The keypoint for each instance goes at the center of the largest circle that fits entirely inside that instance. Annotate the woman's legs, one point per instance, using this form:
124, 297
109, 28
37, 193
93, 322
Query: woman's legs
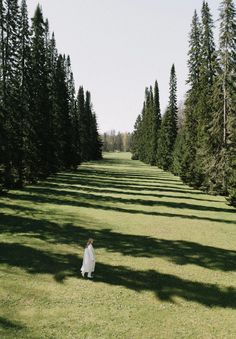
89, 274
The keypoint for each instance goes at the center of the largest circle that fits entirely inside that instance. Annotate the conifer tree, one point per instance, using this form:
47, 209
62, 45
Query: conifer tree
205, 94
148, 127
186, 167
168, 131
142, 132
2, 90
94, 144
83, 131
39, 116
40, 104
24, 122
96, 141
73, 114
223, 160
156, 125
135, 149
64, 138
10, 90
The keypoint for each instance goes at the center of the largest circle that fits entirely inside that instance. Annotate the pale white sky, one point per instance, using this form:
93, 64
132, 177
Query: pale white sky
118, 47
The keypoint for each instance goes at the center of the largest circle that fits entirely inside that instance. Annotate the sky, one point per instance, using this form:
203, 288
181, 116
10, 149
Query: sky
119, 47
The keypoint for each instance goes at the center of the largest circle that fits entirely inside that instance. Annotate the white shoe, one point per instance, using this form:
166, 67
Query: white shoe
82, 274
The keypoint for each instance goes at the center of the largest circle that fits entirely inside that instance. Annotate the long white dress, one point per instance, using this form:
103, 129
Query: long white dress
88, 265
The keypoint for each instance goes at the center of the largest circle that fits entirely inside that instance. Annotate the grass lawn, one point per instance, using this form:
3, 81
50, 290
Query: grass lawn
166, 256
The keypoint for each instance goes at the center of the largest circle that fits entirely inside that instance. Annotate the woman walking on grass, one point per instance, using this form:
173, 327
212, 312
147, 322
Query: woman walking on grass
88, 265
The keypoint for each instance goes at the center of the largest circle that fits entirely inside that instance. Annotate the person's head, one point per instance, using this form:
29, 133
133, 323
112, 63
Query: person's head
90, 241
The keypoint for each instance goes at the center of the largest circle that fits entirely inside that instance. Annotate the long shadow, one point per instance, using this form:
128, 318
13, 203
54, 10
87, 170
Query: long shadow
36, 261
54, 199
122, 184
87, 171
111, 199
52, 185
9, 325
179, 252
165, 286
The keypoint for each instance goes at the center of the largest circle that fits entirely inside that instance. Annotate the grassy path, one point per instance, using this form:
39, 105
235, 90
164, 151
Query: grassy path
166, 257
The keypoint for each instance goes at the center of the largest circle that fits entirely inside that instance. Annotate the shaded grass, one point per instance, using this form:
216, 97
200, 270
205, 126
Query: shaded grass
165, 256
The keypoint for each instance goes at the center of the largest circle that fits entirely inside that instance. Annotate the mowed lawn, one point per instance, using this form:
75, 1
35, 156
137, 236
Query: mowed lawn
166, 256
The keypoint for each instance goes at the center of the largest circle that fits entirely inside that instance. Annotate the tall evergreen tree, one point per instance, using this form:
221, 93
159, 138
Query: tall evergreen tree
168, 131
55, 123
23, 121
82, 120
205, 94
188, 134
136, 136
94, 143
148, 121
39, 119
156, 125
10, 73
40, 103
2, 81
64, 137
223, 159
73, 114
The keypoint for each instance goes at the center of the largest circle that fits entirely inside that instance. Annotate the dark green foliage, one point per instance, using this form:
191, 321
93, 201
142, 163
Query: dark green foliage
203, 152
168, 132
89, 139
156, 125
224, 116
147, 128
40, 104
39, 118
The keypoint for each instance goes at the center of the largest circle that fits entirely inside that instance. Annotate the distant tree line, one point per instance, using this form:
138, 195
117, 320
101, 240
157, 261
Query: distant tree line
44, 126
199, 144
116, 141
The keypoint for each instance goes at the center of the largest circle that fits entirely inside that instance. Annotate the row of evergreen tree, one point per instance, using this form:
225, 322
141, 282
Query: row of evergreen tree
202, 150
44, 126
116, 141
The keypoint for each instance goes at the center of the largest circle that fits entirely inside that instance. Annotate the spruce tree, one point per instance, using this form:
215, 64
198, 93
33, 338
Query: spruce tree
2, 82
136, 136
40, 104
96, 141
169, 129
223, 164
24, 121
156, 125
205, 94
189, 132
73, 114
10, 86
83, 126
64, 137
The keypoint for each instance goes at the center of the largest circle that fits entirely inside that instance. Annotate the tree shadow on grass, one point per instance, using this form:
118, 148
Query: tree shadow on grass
98, 202
52, 185
52, 192
125, 185
9, 325
125, 175
180, 252
34, 261
165, 286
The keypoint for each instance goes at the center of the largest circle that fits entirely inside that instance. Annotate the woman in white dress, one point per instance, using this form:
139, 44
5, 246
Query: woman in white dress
88, 265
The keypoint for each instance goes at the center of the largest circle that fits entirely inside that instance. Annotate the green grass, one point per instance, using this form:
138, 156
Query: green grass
166, 256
